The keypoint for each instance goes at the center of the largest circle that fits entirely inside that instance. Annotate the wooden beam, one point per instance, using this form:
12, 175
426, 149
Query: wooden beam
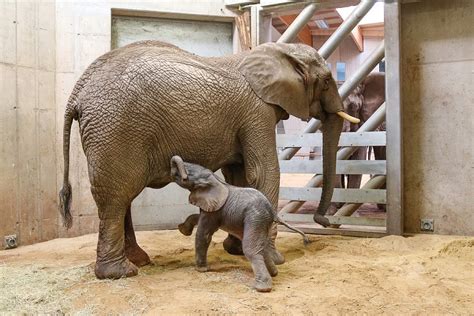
321, 32
373, 33
243, 27
372, 30
304, 35
358, 38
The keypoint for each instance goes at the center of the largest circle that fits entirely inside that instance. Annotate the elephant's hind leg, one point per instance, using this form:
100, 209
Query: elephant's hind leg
271, 267
187, 227
254, 244
111, 261
132, 250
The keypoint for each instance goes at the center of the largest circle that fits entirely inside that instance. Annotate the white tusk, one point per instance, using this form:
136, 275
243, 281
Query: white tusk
346, 116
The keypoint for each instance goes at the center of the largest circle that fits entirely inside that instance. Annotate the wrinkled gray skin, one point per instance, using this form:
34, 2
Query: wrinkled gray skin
245, 213
366, 98
139, 105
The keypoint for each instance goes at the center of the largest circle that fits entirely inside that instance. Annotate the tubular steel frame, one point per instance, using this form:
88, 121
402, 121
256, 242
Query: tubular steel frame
260, 33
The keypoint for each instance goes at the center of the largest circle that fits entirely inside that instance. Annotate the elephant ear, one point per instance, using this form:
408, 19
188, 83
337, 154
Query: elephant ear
374, 94
210, 196
278, 77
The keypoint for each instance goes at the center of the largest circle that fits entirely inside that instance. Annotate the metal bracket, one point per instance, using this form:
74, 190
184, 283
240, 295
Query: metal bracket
10, 242
427, 225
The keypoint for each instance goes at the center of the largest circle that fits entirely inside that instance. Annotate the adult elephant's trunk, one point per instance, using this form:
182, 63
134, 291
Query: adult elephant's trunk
332, 128
177, 162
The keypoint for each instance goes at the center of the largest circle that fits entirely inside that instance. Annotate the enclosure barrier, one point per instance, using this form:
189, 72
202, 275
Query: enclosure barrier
344, 153
260, 23
348, 209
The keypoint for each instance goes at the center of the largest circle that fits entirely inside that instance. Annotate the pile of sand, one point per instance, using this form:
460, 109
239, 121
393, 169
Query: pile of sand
333, 275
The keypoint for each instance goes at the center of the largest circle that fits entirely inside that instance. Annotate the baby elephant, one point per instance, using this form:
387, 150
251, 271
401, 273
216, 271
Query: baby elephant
242, 212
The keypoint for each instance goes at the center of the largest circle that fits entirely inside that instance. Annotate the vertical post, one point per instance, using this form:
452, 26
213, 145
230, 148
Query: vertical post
394, 119
260, 26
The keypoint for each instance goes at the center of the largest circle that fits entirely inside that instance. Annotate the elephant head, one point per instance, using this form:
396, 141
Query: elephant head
207, 191
295, 78
365, 99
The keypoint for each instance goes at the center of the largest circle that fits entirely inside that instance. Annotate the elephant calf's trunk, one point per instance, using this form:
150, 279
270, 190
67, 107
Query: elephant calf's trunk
178, 162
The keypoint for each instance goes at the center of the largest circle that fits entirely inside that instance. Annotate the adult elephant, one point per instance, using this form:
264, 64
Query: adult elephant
139, 105
366, 98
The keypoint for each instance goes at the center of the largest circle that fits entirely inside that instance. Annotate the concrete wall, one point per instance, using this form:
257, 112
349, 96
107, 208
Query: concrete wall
27, 121
45, 46
438, 96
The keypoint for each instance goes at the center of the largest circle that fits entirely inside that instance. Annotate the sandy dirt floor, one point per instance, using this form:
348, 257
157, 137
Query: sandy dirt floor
420, 275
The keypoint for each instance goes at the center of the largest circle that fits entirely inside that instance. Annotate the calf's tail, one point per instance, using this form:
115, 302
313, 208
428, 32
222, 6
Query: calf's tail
278, 220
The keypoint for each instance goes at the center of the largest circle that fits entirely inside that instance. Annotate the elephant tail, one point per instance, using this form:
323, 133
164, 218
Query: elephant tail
278, 220
65, 195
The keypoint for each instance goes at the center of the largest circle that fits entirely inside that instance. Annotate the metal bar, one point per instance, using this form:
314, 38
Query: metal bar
346, 139
342, 166
349, 208
345, 28
260, 26
394, 120
340, 195
369, 64
344, 153
336, 220
301, 20
361, 232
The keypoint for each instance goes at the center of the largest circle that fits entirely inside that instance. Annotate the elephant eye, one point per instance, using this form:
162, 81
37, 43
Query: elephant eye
326, 84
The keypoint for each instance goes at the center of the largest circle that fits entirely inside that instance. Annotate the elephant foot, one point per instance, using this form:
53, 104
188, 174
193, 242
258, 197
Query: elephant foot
185, 229
202, 268
115, 270
321, 220
273, 271
137, 256
233, 246
277, 257
263, 286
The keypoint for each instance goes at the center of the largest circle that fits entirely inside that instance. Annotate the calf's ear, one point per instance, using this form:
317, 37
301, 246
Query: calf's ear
209, 198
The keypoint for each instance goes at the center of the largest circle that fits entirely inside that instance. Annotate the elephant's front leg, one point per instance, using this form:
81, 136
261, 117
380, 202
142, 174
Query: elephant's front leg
354, 180
207, 226
262, 172
234, 174
132, 250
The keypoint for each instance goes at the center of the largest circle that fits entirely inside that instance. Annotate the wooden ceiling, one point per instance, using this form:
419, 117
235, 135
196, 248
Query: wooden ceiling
332, 19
